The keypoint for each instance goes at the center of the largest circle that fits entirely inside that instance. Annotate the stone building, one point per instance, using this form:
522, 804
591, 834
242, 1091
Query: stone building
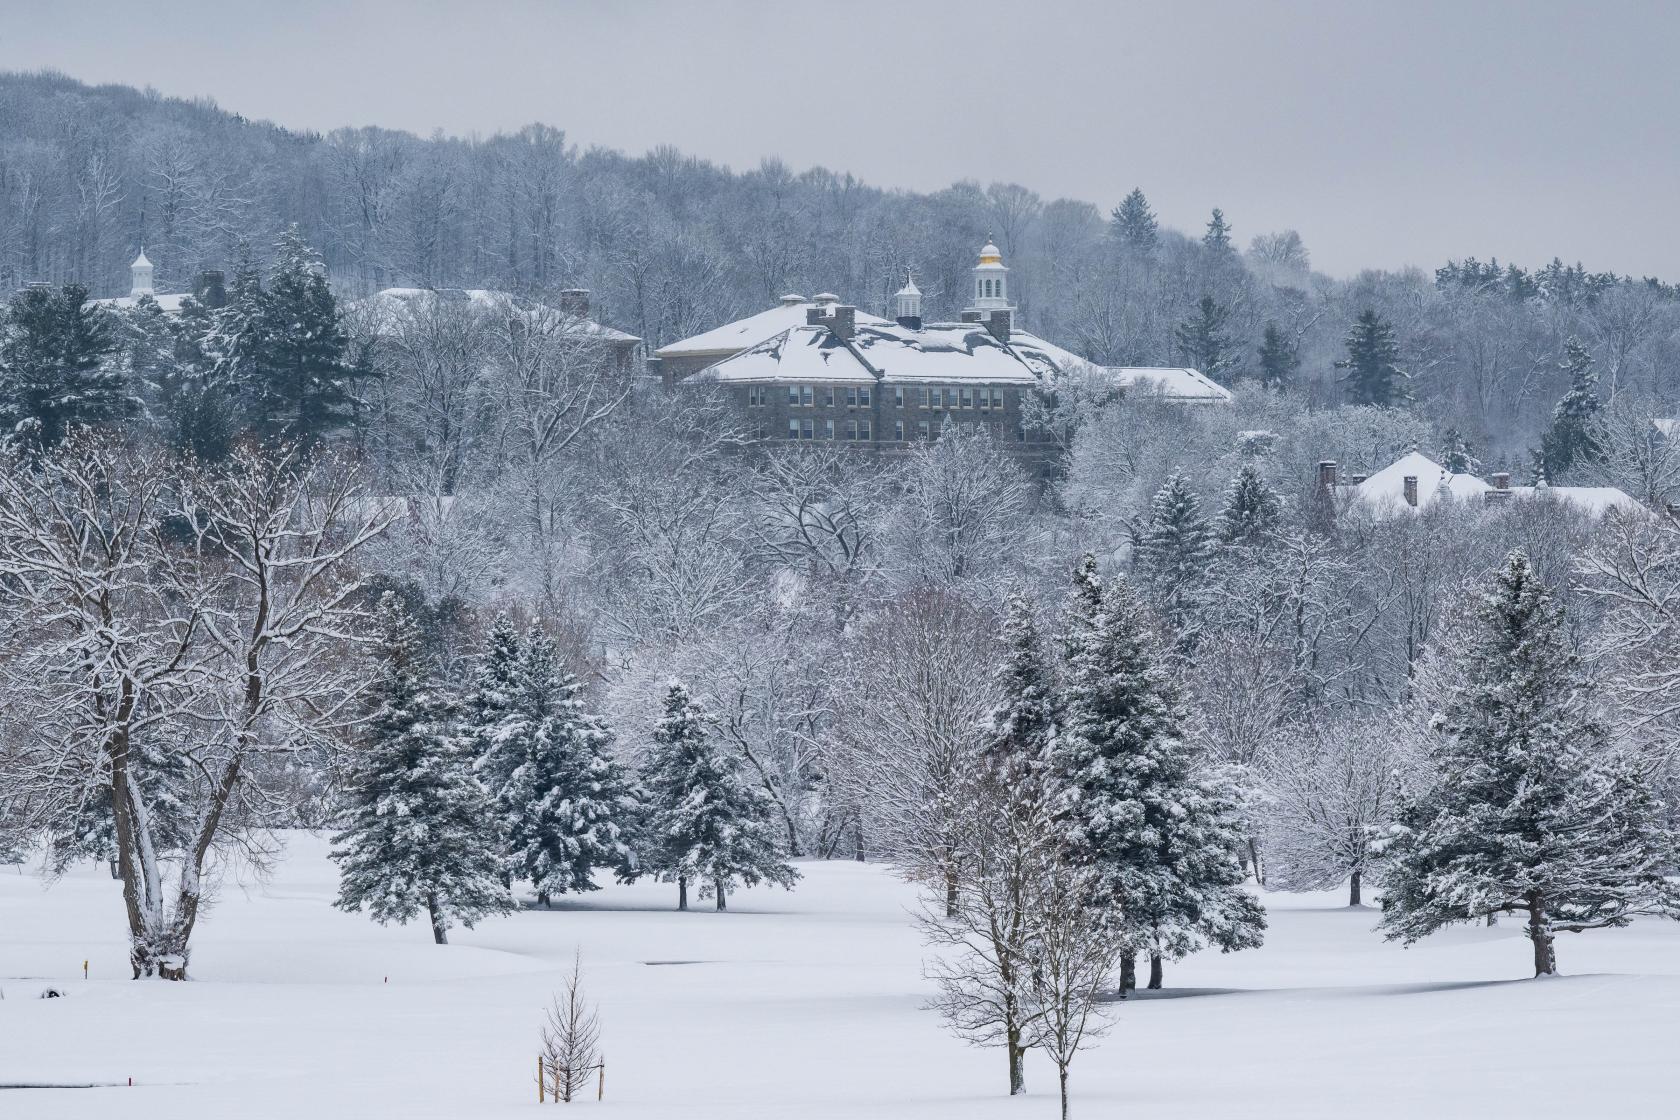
819, 369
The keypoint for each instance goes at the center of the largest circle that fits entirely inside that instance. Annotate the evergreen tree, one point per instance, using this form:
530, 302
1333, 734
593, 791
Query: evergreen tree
1372, 376
493, 704
1578, 434
421, 833
1217, 237
1170, 554
1457, 455
1278, 359
566, 806
304, 392
1160, 843
1025, 723
56, 370
195, 408
1133, 223
1528, 811
707, 823
1204, 344
1252, 509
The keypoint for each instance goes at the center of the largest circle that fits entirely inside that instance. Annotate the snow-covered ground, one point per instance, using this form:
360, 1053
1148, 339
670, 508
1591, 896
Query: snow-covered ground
802, 1004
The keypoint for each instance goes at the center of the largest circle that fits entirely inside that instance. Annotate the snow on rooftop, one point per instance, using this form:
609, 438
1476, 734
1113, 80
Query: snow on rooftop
734, 337
954, 352
1593, 500
394, 299
1385, 491
168, 302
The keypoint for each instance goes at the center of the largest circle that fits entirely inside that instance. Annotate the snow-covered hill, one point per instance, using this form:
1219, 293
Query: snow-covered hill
801, 1005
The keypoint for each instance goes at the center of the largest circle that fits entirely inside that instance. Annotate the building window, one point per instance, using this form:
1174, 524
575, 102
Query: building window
924, 396
983, 396
851, 398
898, 396
828, 429
863, 396
1021, 433
921, 429
793, 429
938, 398
807, 429
898, 430
967, 397
809, 396
851, 429
793, 395
828, 396
864, 430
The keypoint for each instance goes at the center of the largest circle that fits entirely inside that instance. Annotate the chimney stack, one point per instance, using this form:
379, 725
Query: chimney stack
575, 302
840, 319
1411, 490
1501, 488
1327, 473
1501, 480
998, 324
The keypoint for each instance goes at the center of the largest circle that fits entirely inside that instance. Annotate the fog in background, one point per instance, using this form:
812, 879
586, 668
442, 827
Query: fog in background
1388, 135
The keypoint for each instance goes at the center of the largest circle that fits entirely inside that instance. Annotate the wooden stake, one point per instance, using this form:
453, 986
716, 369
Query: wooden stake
84, 970
539, 1079
601, 1083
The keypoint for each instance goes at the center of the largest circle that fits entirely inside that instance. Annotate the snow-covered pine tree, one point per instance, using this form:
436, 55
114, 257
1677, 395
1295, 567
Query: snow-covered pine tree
708, 824
305, 393
567, 805
1217, 237
1457, 455
1279, 359
491, 706
421, 834
1252, 509
1160, 841
1133, 223
1170, 554
55, 367
1528, 812
1372, 377
1204, 345
1578, 434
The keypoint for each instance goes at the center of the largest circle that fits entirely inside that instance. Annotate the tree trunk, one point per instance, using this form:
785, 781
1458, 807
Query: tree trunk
682, 892
1353, 887
440, 927
542, 900
857, 834
950, 892
722, 896
1061, 1073
1017, 1062
1255, 862
116, 872
1128, 973
1545, 957
1154, 971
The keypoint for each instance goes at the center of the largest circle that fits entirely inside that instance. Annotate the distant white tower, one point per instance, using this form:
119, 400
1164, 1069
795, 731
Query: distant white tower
140, 276
907, 301
991, 281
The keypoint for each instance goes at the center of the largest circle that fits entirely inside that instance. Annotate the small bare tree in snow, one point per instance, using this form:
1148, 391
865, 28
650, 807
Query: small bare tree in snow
571, 1037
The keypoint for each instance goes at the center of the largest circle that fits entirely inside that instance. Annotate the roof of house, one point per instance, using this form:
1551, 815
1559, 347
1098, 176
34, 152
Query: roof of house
1668, 428
393, 299
168, 302
734, 337
1384, 492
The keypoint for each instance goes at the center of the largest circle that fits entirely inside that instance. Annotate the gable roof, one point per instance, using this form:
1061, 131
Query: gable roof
394, 300
947, 352
1384, 493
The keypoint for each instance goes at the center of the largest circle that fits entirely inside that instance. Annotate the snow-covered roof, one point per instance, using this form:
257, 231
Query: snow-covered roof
395, 299
1593, 500
168, 302
948, 352
1667, 428
732, 338
1050, 361
1384, 493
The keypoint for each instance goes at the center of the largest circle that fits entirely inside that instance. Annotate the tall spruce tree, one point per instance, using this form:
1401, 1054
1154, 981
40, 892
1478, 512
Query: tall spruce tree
1160, 842
421, 834
1457, 455
1170, 554
1133, 223
1252, 510
1204, 345
56, 367
1578, 435
1279, 359
305, 392
1372, 377
708, 824
1217, 237
566, 805
1528, 810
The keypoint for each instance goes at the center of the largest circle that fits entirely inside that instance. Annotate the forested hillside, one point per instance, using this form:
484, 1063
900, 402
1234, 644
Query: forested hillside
671, 244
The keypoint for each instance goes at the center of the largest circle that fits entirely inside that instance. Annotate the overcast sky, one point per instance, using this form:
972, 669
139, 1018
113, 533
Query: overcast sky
1387, 133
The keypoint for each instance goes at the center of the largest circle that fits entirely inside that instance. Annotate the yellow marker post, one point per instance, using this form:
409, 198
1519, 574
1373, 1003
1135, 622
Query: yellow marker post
84, 970
539, 1079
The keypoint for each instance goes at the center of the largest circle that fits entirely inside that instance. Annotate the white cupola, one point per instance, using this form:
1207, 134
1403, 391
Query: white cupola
140, 276
991, 281
907, 301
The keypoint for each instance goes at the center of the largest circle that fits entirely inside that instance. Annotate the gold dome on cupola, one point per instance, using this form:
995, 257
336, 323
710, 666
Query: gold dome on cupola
990, 254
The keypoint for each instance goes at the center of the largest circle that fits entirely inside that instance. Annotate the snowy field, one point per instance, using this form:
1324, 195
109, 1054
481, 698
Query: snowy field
801, 1005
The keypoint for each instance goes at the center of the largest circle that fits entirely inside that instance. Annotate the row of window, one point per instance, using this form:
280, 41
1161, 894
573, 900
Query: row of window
858, 396
861, 430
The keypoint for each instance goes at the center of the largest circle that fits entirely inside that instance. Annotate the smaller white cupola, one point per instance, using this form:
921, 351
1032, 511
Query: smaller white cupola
991, 281
140, 276
907, 301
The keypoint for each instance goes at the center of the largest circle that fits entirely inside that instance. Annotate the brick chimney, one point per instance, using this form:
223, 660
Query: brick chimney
575, 302
839, 318
1327, 473
1411, 490
1501, 488
998, 323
